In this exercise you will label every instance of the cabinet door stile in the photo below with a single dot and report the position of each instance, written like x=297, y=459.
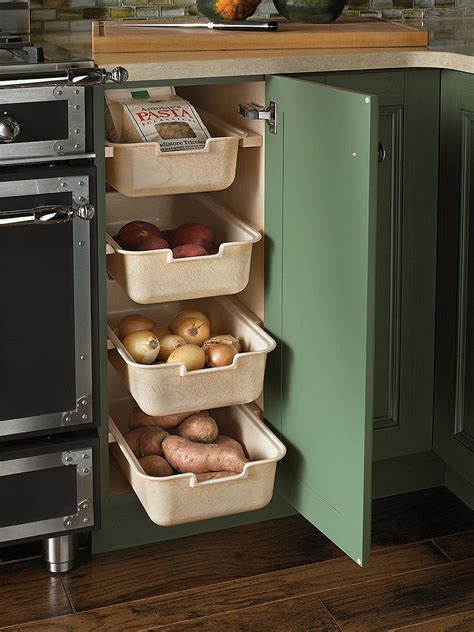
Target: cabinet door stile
x=320, y=227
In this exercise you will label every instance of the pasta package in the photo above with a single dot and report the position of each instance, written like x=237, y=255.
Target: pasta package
x=154, y=115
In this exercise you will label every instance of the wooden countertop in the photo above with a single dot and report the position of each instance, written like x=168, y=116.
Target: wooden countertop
x=442, y=53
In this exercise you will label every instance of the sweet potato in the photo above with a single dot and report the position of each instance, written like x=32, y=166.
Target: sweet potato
x=228, y=442
x=188, y=456
x=207, y=476
x=138, y=419
x=156, y=465
x=199, y=427
x=151, y=440
x=144, y=441
x=133, y=439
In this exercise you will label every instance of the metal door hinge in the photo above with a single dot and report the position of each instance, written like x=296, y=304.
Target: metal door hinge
x=82, y=414
x=254, y=111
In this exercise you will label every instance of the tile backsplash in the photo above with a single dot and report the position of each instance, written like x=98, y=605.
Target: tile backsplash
x=76, y=15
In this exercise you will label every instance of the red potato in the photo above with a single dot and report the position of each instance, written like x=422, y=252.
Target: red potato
x=134, y=233
x=153, y=243
x=155, y=466
x=188, y=250
x=200, y=428
x=193, y=234
x=139, y=419
x=198, y=458
x=228, y=442
x=169, y=236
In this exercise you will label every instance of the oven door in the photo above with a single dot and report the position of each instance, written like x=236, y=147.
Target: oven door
x=49, y=489
x=45, y=289
x=45, y=123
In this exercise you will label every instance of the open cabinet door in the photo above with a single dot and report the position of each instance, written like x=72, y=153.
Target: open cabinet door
x=321, y=168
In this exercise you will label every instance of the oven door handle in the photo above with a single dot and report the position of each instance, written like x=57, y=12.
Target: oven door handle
x=76, y=77
x=50, y=214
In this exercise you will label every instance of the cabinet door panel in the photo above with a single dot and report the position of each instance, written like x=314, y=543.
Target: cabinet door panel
x=406, y=254
x=454, y=402
x=320, y=287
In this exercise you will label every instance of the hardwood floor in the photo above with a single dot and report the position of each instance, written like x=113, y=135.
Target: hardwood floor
x=280, y=575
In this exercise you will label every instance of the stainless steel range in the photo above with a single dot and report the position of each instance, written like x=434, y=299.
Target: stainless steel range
x=48, y=296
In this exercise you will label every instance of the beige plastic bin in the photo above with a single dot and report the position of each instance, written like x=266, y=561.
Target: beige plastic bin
x=178, y=499
x=141, y=169
x=154, y=276
x=161, y=389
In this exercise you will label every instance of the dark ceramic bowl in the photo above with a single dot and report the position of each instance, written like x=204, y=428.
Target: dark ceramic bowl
x=313, y=11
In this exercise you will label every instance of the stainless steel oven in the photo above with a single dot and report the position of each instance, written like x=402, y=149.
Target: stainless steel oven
x=46, y=224
x=49, y=350
x=43, y=123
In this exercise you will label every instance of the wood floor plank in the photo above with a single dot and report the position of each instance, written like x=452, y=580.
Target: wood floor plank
x=196, y=561
x=463, y=622
x=301, y=613
x=457, y=547
x=253, y=549
x=27, y=592
x=404, y=600
x=244, y=593
x=422, y=515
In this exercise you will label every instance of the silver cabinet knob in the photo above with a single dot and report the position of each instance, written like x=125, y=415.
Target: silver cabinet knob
x=9, y=129
x=86, y=211
x=118, y=75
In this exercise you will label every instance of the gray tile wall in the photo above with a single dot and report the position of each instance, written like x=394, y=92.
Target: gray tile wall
x=76, y=15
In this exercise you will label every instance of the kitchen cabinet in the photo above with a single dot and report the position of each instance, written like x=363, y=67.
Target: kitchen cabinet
x=347, y=288
x=454, y=412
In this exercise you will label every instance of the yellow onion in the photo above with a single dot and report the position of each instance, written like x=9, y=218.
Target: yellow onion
x=194, y=331
x=226, y=339
x=220, y=355
x=184, y=315
x=143, y=346
x=160, y=331
x=168, y=344
x=134, y=322
x=192, y=356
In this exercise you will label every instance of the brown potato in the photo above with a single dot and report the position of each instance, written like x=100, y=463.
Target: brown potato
x=155, y=466
x=151, y=440
x=187, y=456
x=228, y=442
x=201, y=428
x=138, y=419
x=207, y=476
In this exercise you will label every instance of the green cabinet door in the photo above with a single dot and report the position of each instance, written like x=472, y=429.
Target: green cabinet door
x=321, y=172
x=454, y=376
x=405, y=286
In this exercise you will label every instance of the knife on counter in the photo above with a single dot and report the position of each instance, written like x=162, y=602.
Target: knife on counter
x=213, y=26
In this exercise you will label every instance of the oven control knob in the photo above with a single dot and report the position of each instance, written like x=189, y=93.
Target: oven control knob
x=86, y=211
x=9, y=129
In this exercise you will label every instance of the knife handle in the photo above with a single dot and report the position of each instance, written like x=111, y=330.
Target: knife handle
x=244, y=26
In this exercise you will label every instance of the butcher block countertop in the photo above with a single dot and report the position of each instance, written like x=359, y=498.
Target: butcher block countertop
x=451, y=47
